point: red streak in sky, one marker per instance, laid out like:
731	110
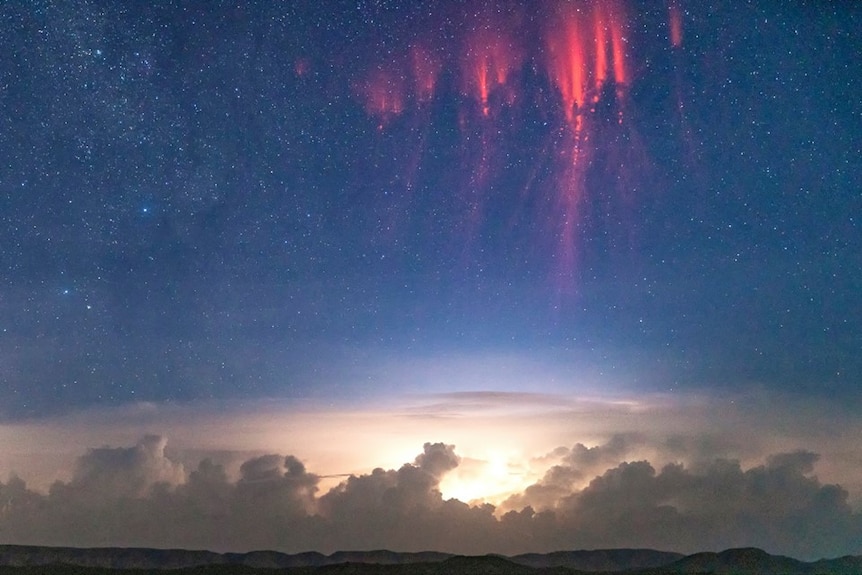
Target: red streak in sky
481	69
675	23
618	43
578	49
585	44
583	52
383	94
426	69
490	58
567	66
601	70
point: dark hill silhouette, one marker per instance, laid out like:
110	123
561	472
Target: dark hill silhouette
141	558
847	565
385	557
114	558
27	560
752	561
744	561
275	560
600	559
484	565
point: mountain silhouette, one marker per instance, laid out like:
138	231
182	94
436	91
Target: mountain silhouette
26	560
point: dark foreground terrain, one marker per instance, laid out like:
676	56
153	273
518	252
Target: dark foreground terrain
25	560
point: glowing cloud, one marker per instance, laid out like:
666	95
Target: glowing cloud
594	497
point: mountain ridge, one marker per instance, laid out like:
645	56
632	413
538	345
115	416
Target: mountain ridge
739	561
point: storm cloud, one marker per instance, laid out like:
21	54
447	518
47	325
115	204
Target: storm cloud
593	498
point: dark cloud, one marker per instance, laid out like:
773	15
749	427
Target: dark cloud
138	496
437	459
777	506
404	508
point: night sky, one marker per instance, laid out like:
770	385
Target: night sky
599	259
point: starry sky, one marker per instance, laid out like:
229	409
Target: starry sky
549	242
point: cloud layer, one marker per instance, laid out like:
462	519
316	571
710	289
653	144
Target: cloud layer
592	497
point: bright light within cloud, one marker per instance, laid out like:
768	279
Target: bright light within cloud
489	480
506	441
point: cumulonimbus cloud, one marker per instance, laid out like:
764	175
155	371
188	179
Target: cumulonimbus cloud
593	498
